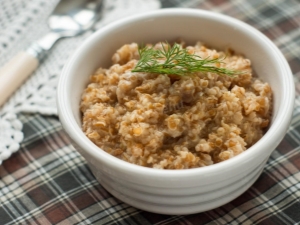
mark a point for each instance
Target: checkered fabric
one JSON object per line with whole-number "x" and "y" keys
{"x": 48, "y": 182}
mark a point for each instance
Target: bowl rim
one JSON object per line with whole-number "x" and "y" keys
{"x": 274, "y": 134}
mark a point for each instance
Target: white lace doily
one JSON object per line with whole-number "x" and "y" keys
{"x": 21, "y": 23}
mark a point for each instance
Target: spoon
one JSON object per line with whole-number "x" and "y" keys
{"x": 69, "y": 18}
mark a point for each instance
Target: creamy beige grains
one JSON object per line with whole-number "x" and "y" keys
{"x": 172, "y": 122}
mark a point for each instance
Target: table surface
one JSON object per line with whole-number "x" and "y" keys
{"x": 48, "y": 182}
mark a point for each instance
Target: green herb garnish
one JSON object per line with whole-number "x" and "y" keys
{"x": 176, "y": 60}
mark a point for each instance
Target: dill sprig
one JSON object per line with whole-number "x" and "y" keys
{"x": 176, "y": 60}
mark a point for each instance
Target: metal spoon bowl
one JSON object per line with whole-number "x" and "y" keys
{"x": 69, "y": 18}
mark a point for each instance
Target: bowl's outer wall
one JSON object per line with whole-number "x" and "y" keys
{"x": 168, "y": 25}
{"x": 181, "y": 202}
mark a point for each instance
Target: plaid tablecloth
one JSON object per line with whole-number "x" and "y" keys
{"x": 48, "y": 182}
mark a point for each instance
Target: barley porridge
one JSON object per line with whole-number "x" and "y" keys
{"x": 175, "y": 122}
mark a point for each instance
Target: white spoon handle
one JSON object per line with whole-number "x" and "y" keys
{"x": 14, "y": 73}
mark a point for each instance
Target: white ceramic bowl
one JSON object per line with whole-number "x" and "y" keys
{"x": 177, "y": 191}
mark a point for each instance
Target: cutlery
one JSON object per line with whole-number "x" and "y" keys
{"x": 69, "y": 18}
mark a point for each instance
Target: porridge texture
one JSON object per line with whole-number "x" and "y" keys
{"x": 175, "y": 122}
